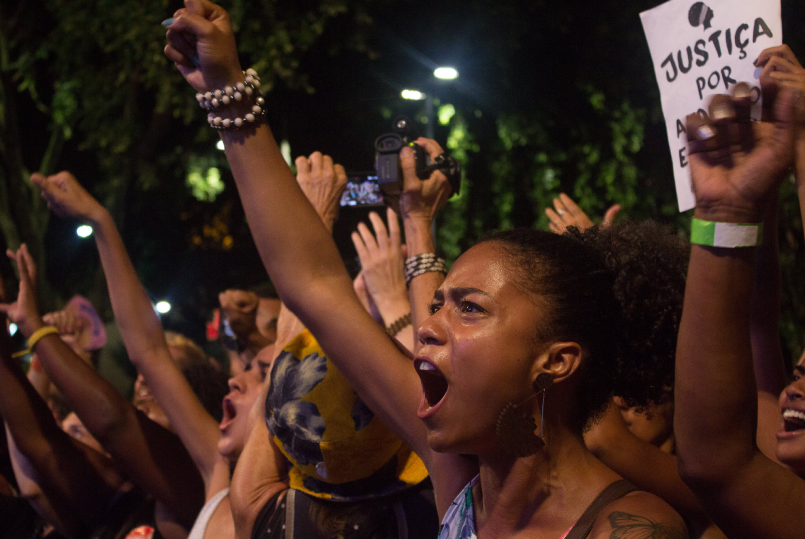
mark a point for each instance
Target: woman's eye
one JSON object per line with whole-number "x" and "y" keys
{"x": 469, "y": 307}
{"x": 433, "y": 308}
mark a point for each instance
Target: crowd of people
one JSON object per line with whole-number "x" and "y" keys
{"x": 591, "y": 381}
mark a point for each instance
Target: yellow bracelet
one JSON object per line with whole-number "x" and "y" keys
{"x": 37, "y": 335}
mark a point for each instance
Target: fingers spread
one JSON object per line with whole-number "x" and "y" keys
{"x": 29, "y": 262}
{"x": 394, "y": 228}
{"x": 381, "y": 234}
{"x": 368, "y": 238}
{"x": 571, "y": 206}
{"x": 360, "y": 248}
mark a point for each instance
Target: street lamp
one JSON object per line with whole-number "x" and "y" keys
{"x": 162, "y": 307}
{"x": 442, "y": 73}
{"x": 84, "y": 231}
{"x": 445, "y": 73}
{"x": 413, "y": 95}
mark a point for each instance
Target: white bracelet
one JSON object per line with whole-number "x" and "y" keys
{"x": 215, "y": 99}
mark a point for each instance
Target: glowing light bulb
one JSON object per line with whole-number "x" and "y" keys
{"x": 84, "y": 231}
{"x": 413, "y": 95}
{"x": 445, "y": 73}
{"x": 163, "y": 307}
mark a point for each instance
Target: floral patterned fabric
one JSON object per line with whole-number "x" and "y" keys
{"x": 459, "y": 521}
{"x": 338, "y": 448}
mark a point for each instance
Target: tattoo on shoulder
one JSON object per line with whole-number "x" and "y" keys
{"x": 627, "y": 526}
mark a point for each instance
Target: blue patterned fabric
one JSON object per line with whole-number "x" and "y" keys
{"x": 459, "y": 521}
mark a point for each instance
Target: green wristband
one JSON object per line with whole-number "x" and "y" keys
{"x": 730, "y": 235}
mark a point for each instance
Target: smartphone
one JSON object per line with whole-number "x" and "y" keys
{"x": 362, "y": 190}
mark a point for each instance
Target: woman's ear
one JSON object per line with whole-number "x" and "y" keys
{"x": 560, "y": 360}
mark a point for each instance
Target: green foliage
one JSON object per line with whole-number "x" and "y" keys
{"x": 95, "y": 74}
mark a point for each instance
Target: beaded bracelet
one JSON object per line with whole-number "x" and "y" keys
{"x": 421, "y": 264}
{"x": 216, "y": 99}
{"x": 399, "y": 324}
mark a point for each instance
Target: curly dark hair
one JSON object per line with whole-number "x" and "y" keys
{"x": 572, "y": 277}
{"x": 616, "y": 291}
{"x": 650, "y": 263}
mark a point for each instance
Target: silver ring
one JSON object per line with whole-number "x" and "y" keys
{"x": 560, "y": 211}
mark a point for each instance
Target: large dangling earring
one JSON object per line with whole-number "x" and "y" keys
{"x": 515, "y": 429}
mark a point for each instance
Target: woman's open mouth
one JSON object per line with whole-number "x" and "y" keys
{"x": 434, "y": 384}
{"x": 793, "y": 420}
{"x": 229, "y": 413}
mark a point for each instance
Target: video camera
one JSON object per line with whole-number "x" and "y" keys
{"x": 387, "y": 159}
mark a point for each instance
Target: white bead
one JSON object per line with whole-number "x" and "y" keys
{"x": 228, "y": 91}
{"x": 238, "y": 122}
{"x": 238, "y": 96}
{"x": 256, "y": 109}
{"x": 249, "y": 117}
{"x": 249, "y": 90}
{"x": 199, "y": 97}
{"x": 226, "y": 122}
{"x": 218, "y": 94}
{"x": 214, "y": 102}
{"x": 225, "y": 100}
{"x": 251, "y": 72}
{"x": 260, "y": 101}
{"x": 249, "y": 79}
{"x": 240, "y": 86}
{"x": 208, "y": 96}
{"x": 210, "y": 120}
{"x": 210, "y": 116}
{"x": 216, "y": 120}
{"x": 256, "y": 83}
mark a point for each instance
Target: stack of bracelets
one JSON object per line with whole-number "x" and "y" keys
{"x": 215, "y": 100}
{"x": 424, "y": 263}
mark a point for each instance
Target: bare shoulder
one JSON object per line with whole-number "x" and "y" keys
{"x": 639, "y": 514}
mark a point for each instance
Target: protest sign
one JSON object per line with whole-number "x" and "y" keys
{"x": 701, "y": 49}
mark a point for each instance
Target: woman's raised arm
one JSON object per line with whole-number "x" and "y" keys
{"x": 294, "y": 244}
{"x": 736, "y": 167}
{"x": 152, "y": 456}
{"x": 140, "y": 326}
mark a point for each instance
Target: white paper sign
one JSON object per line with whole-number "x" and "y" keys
{"x": 700, "y": 49}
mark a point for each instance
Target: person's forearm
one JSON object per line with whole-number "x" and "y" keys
{"x": 35, "y": 437}
{"x": 60, "y": 516}
{"x": 135, "y": 316}
{"x": 393, "y": 308}
{"x": 145, "y": 343}
{"x": 168, "y": 474}
{"x": 419, "y": 240}
{"x": 715, "y": 391}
